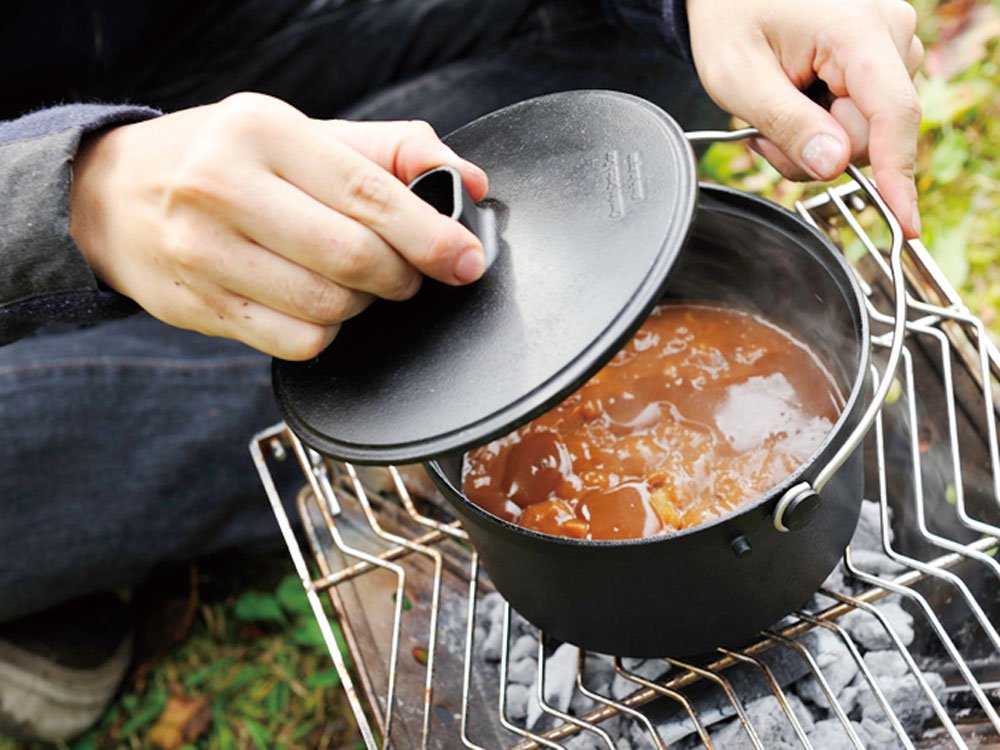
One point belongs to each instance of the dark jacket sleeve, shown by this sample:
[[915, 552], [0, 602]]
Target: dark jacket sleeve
[[663, 19], [43, 276]]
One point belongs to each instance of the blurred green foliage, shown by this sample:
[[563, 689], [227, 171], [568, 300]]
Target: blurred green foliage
[[958, 161]]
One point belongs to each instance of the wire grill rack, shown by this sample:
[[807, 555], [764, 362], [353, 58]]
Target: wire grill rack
[[404, 593]]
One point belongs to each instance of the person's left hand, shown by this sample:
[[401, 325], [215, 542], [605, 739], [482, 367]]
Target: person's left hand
[[755, 57]]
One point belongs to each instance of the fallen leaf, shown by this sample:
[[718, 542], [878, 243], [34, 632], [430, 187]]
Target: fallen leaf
[[966, 46], [183, 720]]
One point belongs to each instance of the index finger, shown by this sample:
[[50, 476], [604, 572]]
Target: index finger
[[878, 82], [408, 149], [347, 181]]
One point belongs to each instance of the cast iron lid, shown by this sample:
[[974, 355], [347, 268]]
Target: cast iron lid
[[592, 195]]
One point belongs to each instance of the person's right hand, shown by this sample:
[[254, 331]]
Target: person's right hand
[[756, 56], [246, 219]]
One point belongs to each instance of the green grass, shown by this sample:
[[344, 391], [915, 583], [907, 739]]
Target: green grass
[[253, 664]]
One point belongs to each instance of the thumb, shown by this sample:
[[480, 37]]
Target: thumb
[[804, 132]]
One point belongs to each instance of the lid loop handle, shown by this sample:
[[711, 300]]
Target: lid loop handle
[[443, 188]]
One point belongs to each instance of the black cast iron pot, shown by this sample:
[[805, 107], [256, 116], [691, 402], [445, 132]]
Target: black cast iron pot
[[717, 584]]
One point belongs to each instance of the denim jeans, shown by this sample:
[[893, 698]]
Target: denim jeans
[[125, 443]]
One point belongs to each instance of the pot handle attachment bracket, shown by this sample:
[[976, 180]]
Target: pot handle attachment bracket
[[796, 507], [442, 187]]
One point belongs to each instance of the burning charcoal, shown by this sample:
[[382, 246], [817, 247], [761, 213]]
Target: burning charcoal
[[848, 697], [650, 669], [490, 607], [900, 688], [876, 563], [622, 687], [580, 704], [560, 679], [867, 551], [878, 736], [888, 663], [519, 627], [642, 741], [837, 580], [830, 734], [640, 736], [525, 647], [868, 533], [786, 663], [517, 702], [772, 725], [784, 622], [835, 662], [479, 636], [586, 741], [600, 671], [489, 626], [534, 709], [711, 707], [522, 672], [868, 631], [560, 676], [493, 643]]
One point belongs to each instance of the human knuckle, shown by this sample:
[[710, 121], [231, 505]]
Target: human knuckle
[[904, 16], [422, 129], [779, 123], [184, 245], [861, 8], [714, 78], [354, 259], [368, 192], [909, 108], [198, 180], [306, 341], [438, 247], [326, 302], [404, 286], [250, 104], [248, 115]]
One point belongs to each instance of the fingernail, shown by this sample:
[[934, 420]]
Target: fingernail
[[470, 265], [915, 219], [822, 156]]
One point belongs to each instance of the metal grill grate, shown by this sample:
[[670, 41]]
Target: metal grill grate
[[425, 630]]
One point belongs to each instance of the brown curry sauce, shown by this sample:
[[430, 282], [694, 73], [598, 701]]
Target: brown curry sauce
[[702, 410]]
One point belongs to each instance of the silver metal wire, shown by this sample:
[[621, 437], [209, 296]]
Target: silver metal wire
[[375, 550]]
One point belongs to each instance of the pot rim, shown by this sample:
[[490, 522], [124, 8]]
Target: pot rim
[[851, 404]]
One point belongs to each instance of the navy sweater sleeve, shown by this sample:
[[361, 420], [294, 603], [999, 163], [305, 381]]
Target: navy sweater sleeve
[[43, 276], [663, 19]]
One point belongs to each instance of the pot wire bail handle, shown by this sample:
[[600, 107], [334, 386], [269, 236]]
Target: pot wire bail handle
[[806, 494], [443, 188]]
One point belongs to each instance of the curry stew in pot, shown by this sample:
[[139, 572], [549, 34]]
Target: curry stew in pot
[[704, 408]]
